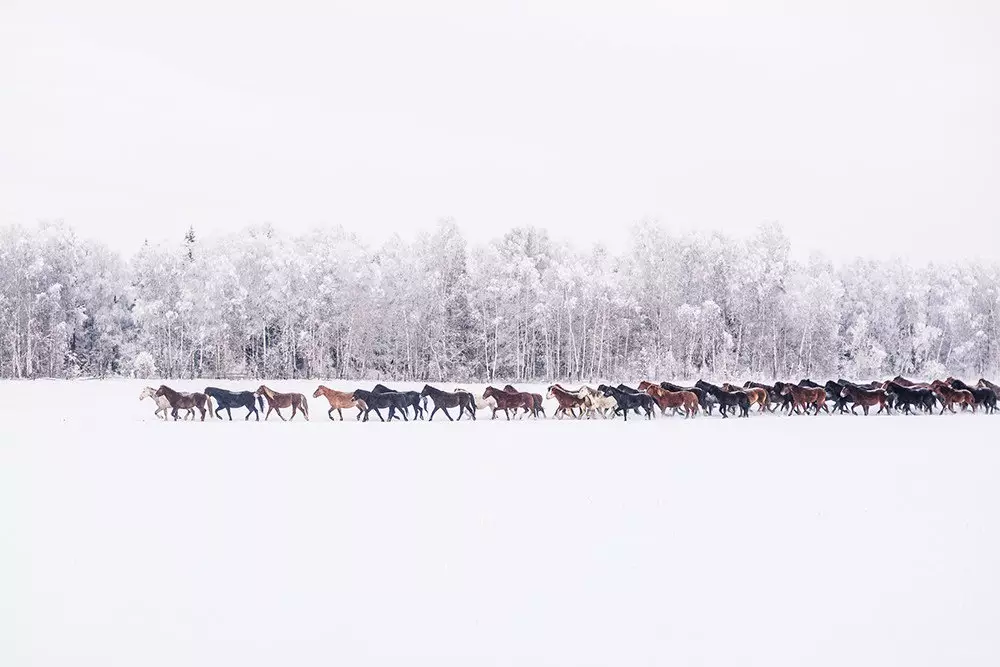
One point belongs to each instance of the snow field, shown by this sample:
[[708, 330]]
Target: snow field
[[766, 541]]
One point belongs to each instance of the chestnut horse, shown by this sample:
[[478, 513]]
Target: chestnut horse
[[684, 400], [568, 402], [340, 400], [950, 396], [181, 401], [275, 400], [805, 397], [507, 400], [758, 396]]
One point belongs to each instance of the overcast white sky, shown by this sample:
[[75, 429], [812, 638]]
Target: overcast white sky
[[871, 129]]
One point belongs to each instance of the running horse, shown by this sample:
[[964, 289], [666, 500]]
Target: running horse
[[866, 398], [683, 400], [949, 396], [181, 401], [161, 403], [226, 400], [804, 398], [536, 401], [443, 400], [275, 401], [568, 402], [508, 400], [339, 400]]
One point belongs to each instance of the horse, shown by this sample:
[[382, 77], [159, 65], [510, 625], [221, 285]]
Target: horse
[[506, 400], [774, 397], [629, 401], [684, 400], [950, 396], [866, 398], [181, 401], [986, 384], [536, 402], [394, 400], [338, 401], [443, 400], [758, 396], [804, 397], [161, 403], [568, 402], [705, 400], [480, 402], [598, 403], [225, 400], [276, 400], [785, 400], [983, 396], [414, 399], [727, 399], [905, 397]]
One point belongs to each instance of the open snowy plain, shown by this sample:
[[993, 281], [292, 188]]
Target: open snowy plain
[[768, 541]]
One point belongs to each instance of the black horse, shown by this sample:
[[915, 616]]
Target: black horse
[[835, 390], [414, 398], [907, 397], [703, 397], [443, 400], [393, 400], [727, 399], [628, 401], [984, 396], [233, 399]]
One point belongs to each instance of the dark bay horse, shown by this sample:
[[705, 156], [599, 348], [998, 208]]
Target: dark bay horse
[[986, 384], [181, 401], [276, 400], [509, 400], [226, 400], [413, 399], [443, 400], [536, 401], [339, 400], [949, 396]]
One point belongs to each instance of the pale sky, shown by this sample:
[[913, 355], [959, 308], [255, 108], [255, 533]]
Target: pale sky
[[867, 128]]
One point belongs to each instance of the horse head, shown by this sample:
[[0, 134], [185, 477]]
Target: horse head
[[147, 392], [162, 391], [319, 391]]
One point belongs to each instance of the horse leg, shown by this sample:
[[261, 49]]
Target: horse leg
[[329, 413], [431, 418], [280, 415], [339, 412], [445, 411]]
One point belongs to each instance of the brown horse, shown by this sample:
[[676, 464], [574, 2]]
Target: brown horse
[[805, 397], [866, 398], [275, 400], [568, 402], [950, 396], [758, 396], [536, 401], [507, 400], [683, 400], [338, 401], [182, 401]]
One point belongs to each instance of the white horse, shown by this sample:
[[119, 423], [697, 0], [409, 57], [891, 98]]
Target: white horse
[[162, 404], [481, 403], [594, 402]]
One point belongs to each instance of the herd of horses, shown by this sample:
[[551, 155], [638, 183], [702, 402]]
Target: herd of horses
[[728, 400]]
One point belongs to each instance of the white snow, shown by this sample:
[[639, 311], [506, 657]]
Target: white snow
[[767, 541]]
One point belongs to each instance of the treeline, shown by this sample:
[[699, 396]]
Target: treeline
[[522, 307]]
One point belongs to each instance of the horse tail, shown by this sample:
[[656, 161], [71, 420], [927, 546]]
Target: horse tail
[[208, 402], [305, 405], [260, 402]]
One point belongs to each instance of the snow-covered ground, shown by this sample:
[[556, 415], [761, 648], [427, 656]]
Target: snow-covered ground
[[767, 541]]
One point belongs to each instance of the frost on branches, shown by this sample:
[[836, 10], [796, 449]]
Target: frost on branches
[[521, 307]]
